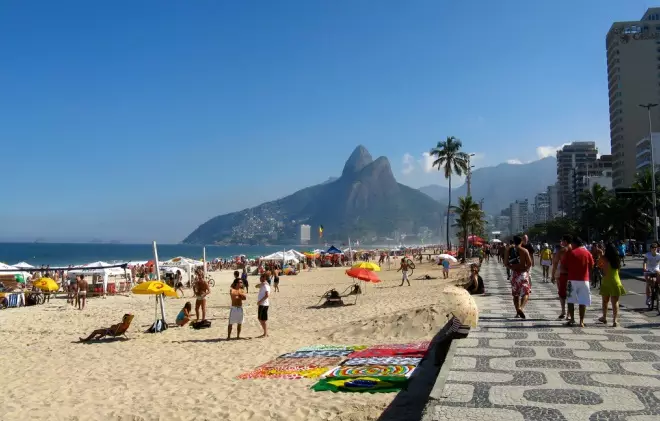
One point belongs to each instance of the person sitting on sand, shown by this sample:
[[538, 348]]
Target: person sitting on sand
[[236, 316], [184, 315], [476, 284]]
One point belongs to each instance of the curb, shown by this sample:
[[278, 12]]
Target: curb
[[439, 385]]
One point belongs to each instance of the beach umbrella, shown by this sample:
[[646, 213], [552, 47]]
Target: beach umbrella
[[448, 257], [46, 284], [154, 288], [363, 275], [462, 304], [368, 266]]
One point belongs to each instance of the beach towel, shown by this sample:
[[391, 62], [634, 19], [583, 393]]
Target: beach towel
[[327, 362], [422, 346], [383, 361], [362, 384], [284, 373], [332, 348], [319, 353], [388, 352], [370, 371]]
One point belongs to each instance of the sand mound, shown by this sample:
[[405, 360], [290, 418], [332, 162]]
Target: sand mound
[[414, 324]]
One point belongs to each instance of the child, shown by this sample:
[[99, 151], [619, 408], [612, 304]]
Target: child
[[445, 268], [184, 315]]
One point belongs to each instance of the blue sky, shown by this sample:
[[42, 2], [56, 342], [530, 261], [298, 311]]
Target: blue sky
[[139, 120]]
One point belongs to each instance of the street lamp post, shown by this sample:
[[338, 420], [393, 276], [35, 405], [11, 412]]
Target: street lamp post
[[469, 174], [653, 192]]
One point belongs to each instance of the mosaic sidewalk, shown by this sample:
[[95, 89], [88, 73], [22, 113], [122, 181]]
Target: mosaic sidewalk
[[537, 369]]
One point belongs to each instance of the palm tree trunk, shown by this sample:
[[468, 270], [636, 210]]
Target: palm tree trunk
[[448, 210]]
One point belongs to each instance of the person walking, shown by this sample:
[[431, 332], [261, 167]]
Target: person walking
[[404, 271], [611, 288], [560, 273], [518, 260], [546, 261], [578, 262], [237, 295], [263, 303]]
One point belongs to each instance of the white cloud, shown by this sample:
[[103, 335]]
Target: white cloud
[[546, 151], [408, 164], [514, 162], [427, 162]]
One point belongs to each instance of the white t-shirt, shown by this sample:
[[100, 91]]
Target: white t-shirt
[[263, 289], [652, 262]]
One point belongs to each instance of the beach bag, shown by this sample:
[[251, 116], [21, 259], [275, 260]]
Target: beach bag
[[158, 326], [202, 324]]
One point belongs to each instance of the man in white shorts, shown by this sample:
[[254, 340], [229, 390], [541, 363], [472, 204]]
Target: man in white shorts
[[237, 294], [578, 262], [651, 269]]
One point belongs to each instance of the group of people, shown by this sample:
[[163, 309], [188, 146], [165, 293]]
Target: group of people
[[571, 267], [238, 294]]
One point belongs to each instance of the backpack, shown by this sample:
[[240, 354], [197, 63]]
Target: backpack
[[514, 256], [202, 324], [158, 326]]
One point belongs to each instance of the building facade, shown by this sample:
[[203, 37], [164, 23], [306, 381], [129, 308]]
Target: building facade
[[553, 201], [643, 155], [633, 75], [585, 175], [541, 208], [570, 157], [305, 234], [519, 221]]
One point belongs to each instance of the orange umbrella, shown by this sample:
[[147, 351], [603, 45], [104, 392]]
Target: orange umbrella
[[363, 275]]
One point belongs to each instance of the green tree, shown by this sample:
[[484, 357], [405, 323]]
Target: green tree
[[468, 214], [449, 159], [596, 205]]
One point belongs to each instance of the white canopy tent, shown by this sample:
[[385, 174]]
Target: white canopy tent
[[298, 254], [23, 265], [287, 256], [7, 267], [184, 263], [105, 272]]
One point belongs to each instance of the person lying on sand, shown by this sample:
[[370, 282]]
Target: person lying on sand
[[425, 277]]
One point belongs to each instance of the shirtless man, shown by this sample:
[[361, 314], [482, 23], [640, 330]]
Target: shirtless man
[[562, 280], [237, 295], [404, 271], [82, 288], [201, 290], [517, 259]]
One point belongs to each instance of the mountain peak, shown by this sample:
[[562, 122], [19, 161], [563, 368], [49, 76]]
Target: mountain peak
[[359, 159]]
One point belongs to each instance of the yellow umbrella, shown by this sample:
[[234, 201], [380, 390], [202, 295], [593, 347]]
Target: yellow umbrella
[[462, 304], [46, 284], [154, 288], [368, 266]]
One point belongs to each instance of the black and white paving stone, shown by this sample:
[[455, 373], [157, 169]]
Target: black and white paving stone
[[540, 370]]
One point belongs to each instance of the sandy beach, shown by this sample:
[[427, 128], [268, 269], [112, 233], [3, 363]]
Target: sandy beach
[[186, 374]]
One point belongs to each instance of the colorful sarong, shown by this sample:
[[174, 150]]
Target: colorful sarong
[[284, 373], [332, 348], [327, 362], [362, 384], [422, 346], [383, 361], [370, 371], [388, 352], [319, 353]]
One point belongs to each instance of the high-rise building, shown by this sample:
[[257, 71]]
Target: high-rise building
[[644, 152], [553, 201], [568, 158], [585, 175], [633, 76], [305, 234], [519, 221], [541, 208]]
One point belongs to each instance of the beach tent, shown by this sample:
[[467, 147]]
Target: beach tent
[[282, 256], [106, 272], [7, 270], [298, 254], [182, 262], [23, 265], [333, 250]]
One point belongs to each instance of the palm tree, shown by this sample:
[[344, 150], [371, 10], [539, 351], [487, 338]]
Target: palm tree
[[468, 214], [595, 205], [449, 158]]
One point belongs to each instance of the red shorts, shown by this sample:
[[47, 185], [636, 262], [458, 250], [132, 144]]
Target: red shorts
[[562, 284], [520, 285]]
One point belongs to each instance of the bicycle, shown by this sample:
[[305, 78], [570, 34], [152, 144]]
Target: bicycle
[[411, 266], [654, 300], [210, 281]]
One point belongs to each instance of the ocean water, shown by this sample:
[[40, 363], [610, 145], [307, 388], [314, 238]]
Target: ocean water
[[54, 254]]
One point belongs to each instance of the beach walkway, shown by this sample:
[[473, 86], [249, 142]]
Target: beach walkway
[[508, 369]]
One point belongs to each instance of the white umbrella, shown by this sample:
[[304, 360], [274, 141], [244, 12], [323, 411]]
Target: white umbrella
[[447, 257], [496, 241], [23, 265]]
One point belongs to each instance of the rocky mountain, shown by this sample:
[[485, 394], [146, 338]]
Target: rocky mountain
[[502, 184], [365, 202]]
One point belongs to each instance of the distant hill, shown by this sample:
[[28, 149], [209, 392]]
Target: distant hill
[[365, 202], [502, 184]]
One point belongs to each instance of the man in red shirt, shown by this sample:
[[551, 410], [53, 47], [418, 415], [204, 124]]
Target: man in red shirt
[[578, 263]]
